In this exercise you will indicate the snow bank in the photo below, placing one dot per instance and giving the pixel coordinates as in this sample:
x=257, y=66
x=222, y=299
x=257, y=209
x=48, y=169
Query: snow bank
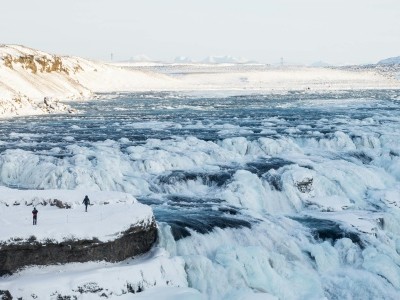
x=154, y=275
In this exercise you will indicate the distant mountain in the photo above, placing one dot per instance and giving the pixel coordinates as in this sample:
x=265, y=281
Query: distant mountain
x=227, y=59
x=320, y=64
x=183, y=59
x=140, y=58
x=390, y=61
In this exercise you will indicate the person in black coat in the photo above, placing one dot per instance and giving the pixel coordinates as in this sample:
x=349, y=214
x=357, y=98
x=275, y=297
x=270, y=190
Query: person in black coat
x=34, y=214
x=86, y=201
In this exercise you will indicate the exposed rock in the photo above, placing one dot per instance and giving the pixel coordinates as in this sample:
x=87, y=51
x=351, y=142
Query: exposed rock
x=90, y=287
x=38, y=63
x=50, y=105
x=59, y=204
x=305, y=186
x=5, y=295
x=134, y=241
x=62, y=297
x=8, y=61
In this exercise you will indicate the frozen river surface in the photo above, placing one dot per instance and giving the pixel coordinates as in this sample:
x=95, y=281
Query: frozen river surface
x=295, y=196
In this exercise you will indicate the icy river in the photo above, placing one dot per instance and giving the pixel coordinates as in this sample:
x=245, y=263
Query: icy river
x=296, y=195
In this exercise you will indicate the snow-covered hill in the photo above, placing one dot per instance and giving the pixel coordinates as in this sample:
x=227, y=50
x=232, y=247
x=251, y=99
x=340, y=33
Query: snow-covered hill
x=28, y=76
x=227, y=59
x=319, y=64
x=183, y=60
x=390, y=61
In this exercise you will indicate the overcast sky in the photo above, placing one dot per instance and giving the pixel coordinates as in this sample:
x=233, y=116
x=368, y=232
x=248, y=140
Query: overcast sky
x=300, y=31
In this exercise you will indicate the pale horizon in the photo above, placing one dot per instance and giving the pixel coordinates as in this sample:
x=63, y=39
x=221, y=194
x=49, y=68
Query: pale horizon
x=336, y=32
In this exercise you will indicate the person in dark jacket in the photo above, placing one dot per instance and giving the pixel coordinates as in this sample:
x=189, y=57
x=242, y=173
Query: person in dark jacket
x=34, y=214
x=86, y=201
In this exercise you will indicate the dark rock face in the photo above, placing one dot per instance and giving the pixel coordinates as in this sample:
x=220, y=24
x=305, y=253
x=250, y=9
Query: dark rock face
x=134, y=241
x=305, y=186
x=5, y=295
x=59, y=204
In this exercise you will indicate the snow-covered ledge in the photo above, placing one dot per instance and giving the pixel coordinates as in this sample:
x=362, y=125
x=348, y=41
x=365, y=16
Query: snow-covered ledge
x=115, y=227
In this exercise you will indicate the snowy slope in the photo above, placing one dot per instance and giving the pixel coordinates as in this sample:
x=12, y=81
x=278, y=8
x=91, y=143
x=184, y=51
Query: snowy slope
x=390, y=61
x=227, y=59
x=160, y=276
x=27, y=76
x=36, y=74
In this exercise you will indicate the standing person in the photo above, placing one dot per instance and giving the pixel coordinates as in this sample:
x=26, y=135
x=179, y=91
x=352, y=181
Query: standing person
x=86, y=201
x=34, y=213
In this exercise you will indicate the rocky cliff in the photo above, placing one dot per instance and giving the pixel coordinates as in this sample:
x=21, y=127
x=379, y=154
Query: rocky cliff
x=134, y=241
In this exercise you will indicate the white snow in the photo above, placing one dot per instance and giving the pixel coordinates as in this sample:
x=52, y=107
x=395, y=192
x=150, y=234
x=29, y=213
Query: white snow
x=227, y=59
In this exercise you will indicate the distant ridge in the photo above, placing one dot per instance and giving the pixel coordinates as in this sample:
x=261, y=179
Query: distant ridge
x=227, y=59
x=318, y=64
x=140, y=58
x=390, y=61
x=183, y=59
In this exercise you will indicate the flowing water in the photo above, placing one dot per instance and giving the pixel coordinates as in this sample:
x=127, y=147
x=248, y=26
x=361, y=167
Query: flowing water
x=296, y=195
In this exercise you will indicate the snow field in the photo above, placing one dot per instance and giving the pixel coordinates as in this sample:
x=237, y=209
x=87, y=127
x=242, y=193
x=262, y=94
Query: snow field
x=109, y=214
